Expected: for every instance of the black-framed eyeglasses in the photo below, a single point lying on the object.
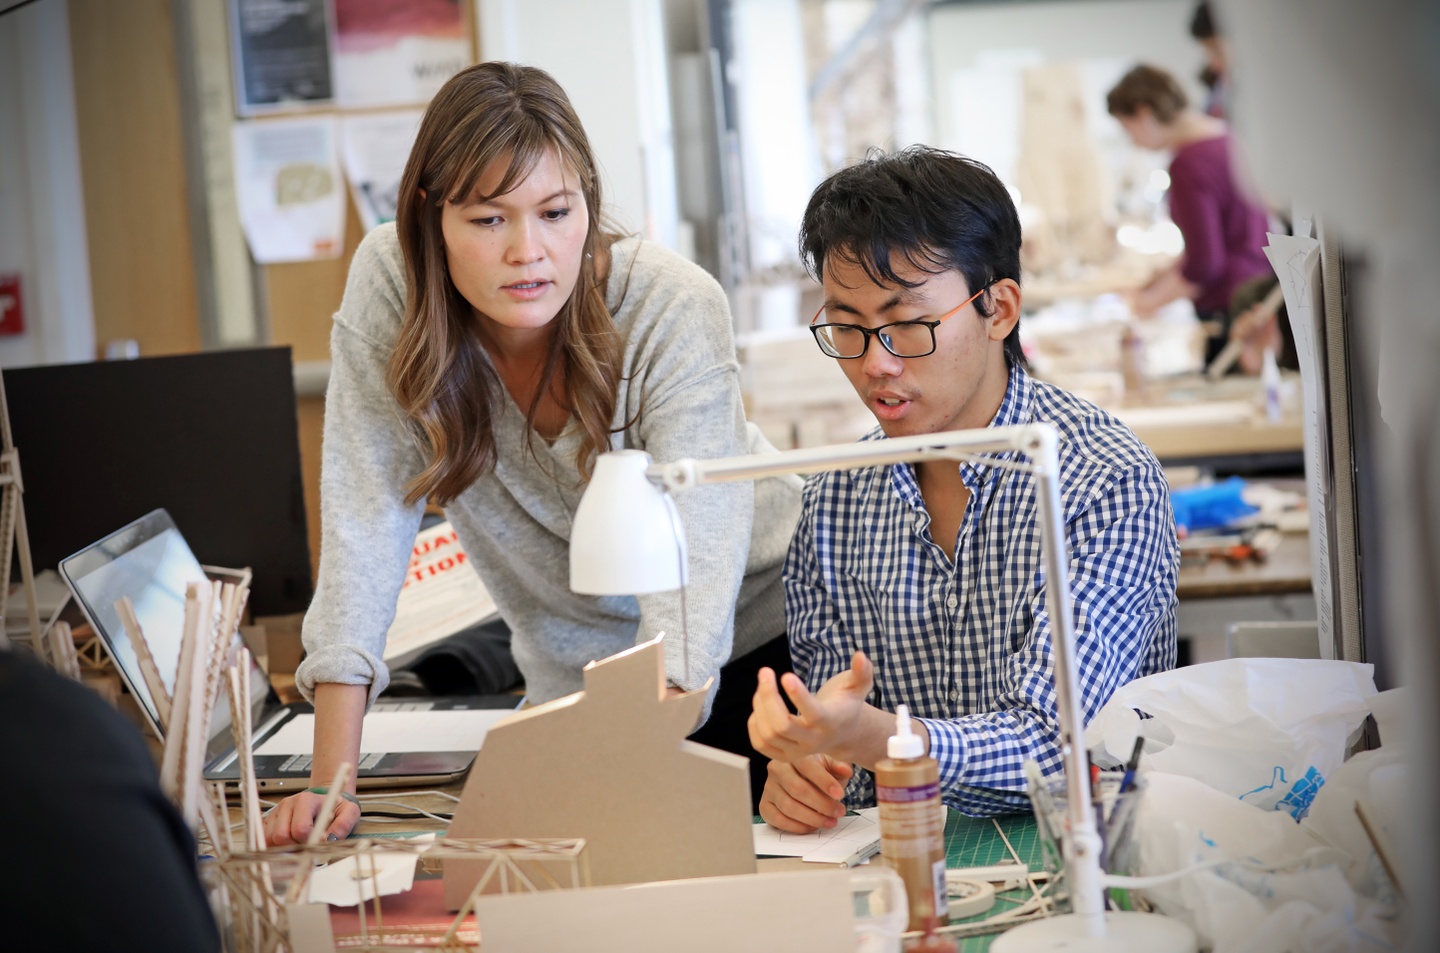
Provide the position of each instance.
(901, 338)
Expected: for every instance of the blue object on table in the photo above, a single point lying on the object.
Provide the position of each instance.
(1210, 507)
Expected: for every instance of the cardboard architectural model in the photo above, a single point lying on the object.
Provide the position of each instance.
(611, 765)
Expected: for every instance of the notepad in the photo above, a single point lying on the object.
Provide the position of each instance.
(854, 838)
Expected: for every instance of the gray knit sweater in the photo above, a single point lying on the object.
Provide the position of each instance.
(514, 523)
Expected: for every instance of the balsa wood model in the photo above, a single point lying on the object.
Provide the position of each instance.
(611, 765)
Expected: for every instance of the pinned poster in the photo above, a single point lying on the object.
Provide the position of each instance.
(287, 177)
(281, 54)
(375, 147)
(390, 54)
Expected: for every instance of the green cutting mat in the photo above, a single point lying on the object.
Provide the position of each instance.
(976, 842)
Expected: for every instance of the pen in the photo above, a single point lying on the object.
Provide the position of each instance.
(862, 854)
(1128, 781)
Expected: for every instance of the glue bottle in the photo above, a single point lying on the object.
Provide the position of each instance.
(912, 827)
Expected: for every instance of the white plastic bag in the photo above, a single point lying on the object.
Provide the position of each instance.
(1276, 890)
(1381, 781)
(1267, 731)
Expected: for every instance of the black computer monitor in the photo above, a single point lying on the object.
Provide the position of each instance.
(210, 437)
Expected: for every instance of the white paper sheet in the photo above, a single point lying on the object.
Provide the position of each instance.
(855, 834)
(353, 880)
(442, 594)
(1296, 260)
(375, 148)
(287, 177)
(394, 732)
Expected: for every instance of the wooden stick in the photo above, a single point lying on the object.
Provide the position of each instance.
(1377, 839)
(219, 653)
(262, 892)
(240, 730)
(327, 807)
(180, 704)
(197, 716)
(185, 741)
(205, 808)
(62, 648)
(222, 808)
(158, 692)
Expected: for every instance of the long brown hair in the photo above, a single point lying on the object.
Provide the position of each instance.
(439, 372)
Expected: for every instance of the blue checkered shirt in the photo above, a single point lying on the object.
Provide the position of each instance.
(966, 644)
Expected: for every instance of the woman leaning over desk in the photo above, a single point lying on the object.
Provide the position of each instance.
(1222, 224)
(490, 344)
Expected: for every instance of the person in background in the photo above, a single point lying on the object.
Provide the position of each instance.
(1216, 74)
(923, 584)
(491, 343)
(110, 865)
(1223, 225)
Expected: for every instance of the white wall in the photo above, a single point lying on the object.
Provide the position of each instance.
(779, 161)
(973, 47)
(42, 218)
(609, 57)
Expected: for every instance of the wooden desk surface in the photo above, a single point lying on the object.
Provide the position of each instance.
(1192, 418)
(1286, 571)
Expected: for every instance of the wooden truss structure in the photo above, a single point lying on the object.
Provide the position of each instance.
(14, 537)
(263, 918)
(259, 894)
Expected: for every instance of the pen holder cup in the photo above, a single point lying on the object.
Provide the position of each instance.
(1114, 818)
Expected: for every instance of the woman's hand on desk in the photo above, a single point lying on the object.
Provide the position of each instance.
(803, 796)
(339, 719)
(293, 819)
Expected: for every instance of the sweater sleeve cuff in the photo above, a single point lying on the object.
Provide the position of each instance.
(344, 665)
(701, 668)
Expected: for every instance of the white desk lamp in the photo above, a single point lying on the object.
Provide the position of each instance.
(624, 541)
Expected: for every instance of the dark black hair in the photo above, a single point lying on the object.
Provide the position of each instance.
(936, 210)
(1202, 23)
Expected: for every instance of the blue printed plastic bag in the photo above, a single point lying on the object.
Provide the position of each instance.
(1267, 731)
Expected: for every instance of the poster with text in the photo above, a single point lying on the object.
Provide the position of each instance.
(375, 147)
(287, 177)
(397, 52)
(282, 54)
(442, 594)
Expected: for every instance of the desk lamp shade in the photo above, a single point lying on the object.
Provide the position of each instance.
(626, 537)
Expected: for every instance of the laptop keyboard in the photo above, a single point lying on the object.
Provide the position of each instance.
(403, 706)
(300, 763)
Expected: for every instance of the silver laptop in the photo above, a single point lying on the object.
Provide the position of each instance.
(150, 562)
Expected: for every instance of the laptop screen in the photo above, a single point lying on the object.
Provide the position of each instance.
(150, 562)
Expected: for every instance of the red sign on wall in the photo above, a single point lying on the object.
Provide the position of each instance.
(12, 317)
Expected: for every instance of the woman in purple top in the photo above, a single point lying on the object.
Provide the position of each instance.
(1223, 226)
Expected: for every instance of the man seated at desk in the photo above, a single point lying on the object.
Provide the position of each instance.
(923, 585)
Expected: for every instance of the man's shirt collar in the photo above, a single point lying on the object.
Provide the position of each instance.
(1016, 407)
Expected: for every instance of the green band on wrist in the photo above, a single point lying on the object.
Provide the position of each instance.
(345, 794)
